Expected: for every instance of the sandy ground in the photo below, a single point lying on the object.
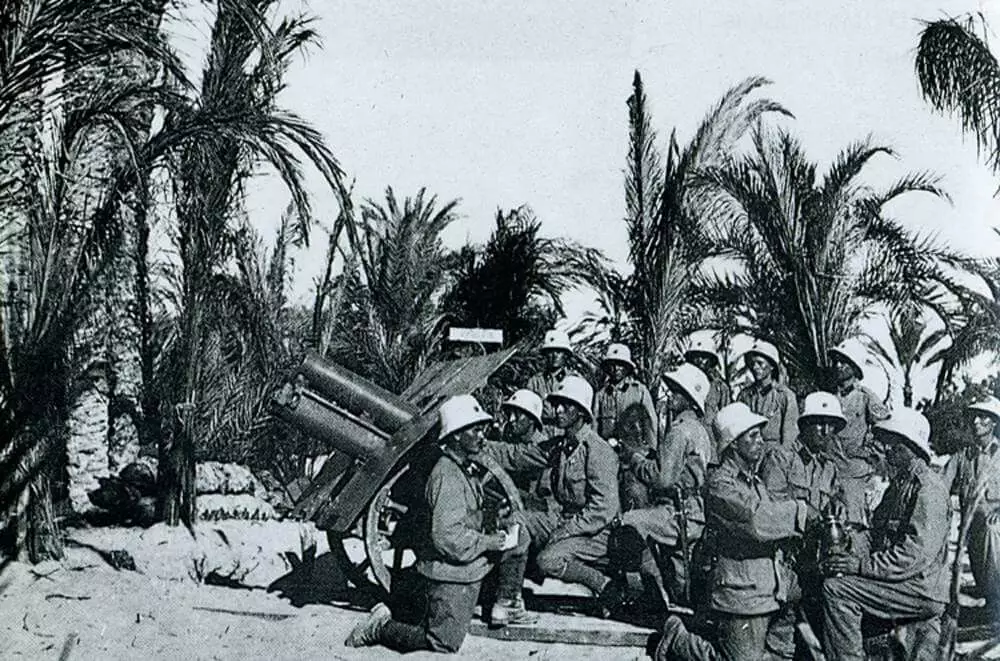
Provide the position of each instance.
(99, 613)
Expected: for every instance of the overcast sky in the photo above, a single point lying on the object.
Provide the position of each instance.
(505, 103)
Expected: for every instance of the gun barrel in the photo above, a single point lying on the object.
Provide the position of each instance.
(311, 415)
(356, 394)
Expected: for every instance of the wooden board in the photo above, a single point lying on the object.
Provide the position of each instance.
(569, 629)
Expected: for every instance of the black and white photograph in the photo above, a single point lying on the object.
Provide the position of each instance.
(534, 329)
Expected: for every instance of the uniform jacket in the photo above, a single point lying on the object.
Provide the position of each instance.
(526, 462)
(909, 536)
(748, 525)
(797, 473)
(718, 396)
(973, 466)
(862, 408)
(584, 483)
(682, 458)
(778, 404)
(626, 411)
(456, 552)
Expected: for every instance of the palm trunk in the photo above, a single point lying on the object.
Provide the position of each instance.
(907, 389)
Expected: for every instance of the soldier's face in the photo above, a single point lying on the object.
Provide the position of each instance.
(517, 423)
(470, 440)
(616, 371)
(818, 433)
(702, 361)
(983, 425)
(898, 454)
(760, 368)
(554, 359)
(750, 446)
(676, 400)
(567, 414)
(843, 370)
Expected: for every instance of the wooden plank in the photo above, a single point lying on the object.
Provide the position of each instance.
(569, 629)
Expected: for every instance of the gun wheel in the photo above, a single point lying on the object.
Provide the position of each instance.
(373, 551)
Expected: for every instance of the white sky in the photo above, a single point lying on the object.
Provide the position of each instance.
(504, 103)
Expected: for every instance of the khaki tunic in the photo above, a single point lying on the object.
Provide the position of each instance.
(778, 404)
(626, 411)
(718, 397)
(862, 408)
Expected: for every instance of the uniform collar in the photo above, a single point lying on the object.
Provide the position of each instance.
(845, 390)
(744, 472)
(623, 385)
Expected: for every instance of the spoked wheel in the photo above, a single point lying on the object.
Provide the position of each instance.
(376, 548)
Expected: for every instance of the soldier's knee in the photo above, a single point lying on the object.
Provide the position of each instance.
(552, 561)
(833, 587)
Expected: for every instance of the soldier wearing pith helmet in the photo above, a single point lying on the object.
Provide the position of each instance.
(862, 408)
(557, 353)
(703, 353)
(767, 397)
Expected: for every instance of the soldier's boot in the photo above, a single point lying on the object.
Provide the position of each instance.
(511, 611)
(368, 632)
(677, 643)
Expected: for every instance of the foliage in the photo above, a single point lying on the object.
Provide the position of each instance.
(911, 345)
(817, 253)
(950, 430)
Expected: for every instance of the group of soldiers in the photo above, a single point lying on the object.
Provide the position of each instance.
(778, 510)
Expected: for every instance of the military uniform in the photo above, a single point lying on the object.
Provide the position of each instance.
(584, 482)
(542, 383)
(862, 409)
(717, 397)
(750, 580)
(968, 470)
(903, 572)
(625, 411)
(455, 559)
(527, 464)
(778, 404)
(681, 462)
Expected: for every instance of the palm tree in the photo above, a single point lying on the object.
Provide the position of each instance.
(388, 324)
(668, 218)
(959, 74)
(815, 254)
(911, 347)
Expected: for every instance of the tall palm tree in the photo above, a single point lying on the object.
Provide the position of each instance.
(668, 218)
(911, 345)
(959, 74)
(389, 325)
(816, 253)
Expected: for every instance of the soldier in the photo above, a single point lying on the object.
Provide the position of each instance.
(862, 408)
(816, 470)
(571, 543)
(556, 353)
(459, 553)
(625, 412)
(702, 353)
(674, 475)
(972, 472)
(522, 451)
(897, 570)
(766, 397)
(750, 580)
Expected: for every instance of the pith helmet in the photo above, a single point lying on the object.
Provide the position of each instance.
(912, 426)
(691, 381)
(527, 401)
(854, 352)
(575, 389)
(556, 340)
(765, 350)
(459, 412)
(823, 405)
(734, 420)
(702, 342)
(619, 353)
(989, 406)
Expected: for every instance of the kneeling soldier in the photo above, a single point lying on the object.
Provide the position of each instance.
(897, 570)
(459, 553)
(585, 484)
(674, 477)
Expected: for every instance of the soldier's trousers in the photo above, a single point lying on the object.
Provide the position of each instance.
(574, 559)
(984, 556)
(659, 526)
(740, 638)
(847, 599)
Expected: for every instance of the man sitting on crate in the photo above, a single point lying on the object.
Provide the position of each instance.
(462, 546)
(573, 542)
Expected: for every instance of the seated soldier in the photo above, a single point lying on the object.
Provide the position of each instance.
(674, 476)
(459, 552)
(897, 570)
(522, 429)
(572, 542)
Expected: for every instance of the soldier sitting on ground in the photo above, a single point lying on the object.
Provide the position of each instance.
(459, 552)
(897, 570)
(674, 475)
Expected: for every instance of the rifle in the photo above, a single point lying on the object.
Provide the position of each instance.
(679, 496)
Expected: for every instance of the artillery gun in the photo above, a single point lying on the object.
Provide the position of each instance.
(365, 494)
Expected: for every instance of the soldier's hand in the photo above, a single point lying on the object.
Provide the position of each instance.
(841, 564)
(496, 541)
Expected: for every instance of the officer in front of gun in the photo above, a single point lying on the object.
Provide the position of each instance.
(897, 570)
(674, 475)
(749, 527)
(460, 549)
